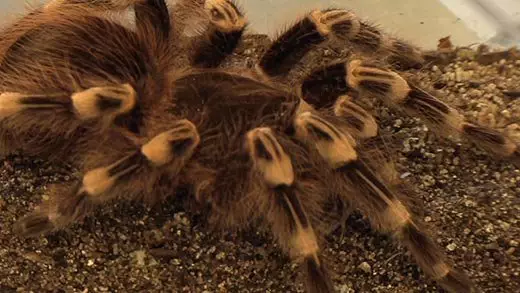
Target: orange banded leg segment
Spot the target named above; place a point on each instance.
(103, 103)
(170, 149)
(358, 184)
(227, 24)
(396, 91)
(368, 39)
(289, 223)
(290, 47)
(47, 124)
(318, 27)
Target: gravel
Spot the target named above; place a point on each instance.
(471, 201)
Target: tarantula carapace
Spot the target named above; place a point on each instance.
(119, 101)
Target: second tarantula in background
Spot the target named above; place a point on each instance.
(76, 85)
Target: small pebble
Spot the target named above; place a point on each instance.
(451, 246)
(365, 267)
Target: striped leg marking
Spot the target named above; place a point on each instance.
(362, 124)
(222, 37)
(334, 20)
(273, 163)
(375, 198)
(396, 91)
(92, 103)
(225, 15)
(172, 148)
(337, 147)
(367, 38)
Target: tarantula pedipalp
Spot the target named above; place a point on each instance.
(75, 84)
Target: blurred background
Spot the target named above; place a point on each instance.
(421, 21)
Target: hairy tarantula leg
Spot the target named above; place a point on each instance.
(376, 199)
(276, 169)
(322, 87)
(152, 16)
(225, 31)
(396, 91)
(326, 87)
(153, 19)
(388, 214)
(93, 103)
(171, 149)
(289, 48)
(322, 25)
(367, 38)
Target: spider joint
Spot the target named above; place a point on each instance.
(176, 143)
(377, 80)
(335, 145)
(356, 117)
(99, 101)
(97, 181)
(305, 243)
(328, 21)
(269, 158)
(225, 15)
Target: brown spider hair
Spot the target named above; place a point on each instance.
(118, 102)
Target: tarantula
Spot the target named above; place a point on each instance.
(118, 101)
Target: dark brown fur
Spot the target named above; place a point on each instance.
(147, 155)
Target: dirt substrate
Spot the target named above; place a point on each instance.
(471, 200)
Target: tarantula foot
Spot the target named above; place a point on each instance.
(100, 101)
(333, 20)
(493, 141)
(376, 80)
(33, 225)
(455, 281)
(65, 206)
(225, 15)
(318, 280)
